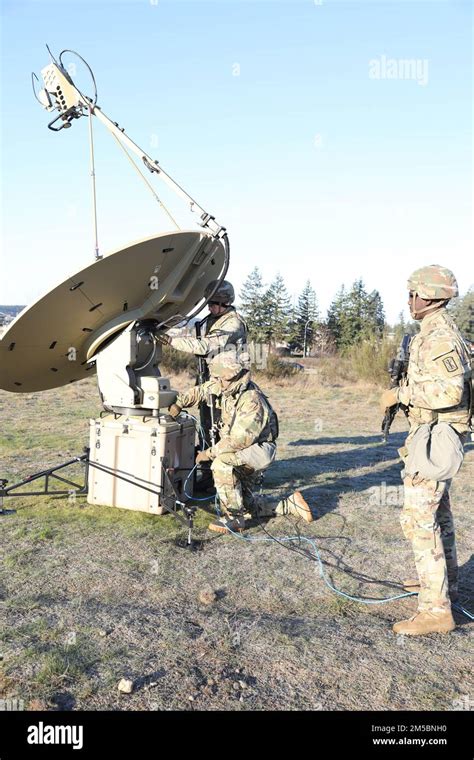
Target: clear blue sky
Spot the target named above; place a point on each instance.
(317, 169)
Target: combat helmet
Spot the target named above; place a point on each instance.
(433, 283)
(229, 364)
(224, 294)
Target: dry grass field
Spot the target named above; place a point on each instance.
(90, 595)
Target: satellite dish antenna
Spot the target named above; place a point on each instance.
(106, 318)
(56, 340)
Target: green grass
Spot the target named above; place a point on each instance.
(64, 664)
(76, 567)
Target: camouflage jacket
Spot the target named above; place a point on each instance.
(438, 383)
(245, 413)
(228, 329)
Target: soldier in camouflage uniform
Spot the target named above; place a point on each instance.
(437, 389)
(223, 326)
(248, 432)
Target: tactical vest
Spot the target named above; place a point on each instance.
(272, 419)
(457, 416)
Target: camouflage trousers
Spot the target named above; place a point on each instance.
(236, 475)
(427, 522)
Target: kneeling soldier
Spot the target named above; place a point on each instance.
(248, 433)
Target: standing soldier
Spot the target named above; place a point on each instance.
(247, 445)
(223, 328)
(438, 394)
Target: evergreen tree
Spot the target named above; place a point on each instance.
(293, 328)
(252, 305)
(305, 319)
(373, 314)
(276, 307)
(462, 309)
(355, 315)
(336, 317)
(402, 328)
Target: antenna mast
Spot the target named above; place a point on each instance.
(60, 94)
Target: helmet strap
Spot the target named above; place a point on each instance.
(420, 313)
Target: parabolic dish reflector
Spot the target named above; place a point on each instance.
(161, 277)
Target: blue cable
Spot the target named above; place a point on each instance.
(321, 569)
(287, 538)
(200, 433)
(311, 541)
(195, 498)
(459, 607)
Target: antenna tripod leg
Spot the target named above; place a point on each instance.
(190, 529)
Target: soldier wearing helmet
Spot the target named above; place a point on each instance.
(438, 394)
(223, 326)
(247, 443)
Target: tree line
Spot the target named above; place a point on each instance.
(353, 315)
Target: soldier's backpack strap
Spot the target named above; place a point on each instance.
(471, 397)
(272, 415)
(235, 408)
(470, 383)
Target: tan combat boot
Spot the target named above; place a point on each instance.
(295, 505)
(426, 622)
(228, 525)
(413, 586)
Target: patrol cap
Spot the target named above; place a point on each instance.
(224, 294)
(433, 282)
(229, 364)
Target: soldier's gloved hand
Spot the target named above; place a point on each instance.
(174, 410)
(203, 456)
(163, 338)
(388, 398)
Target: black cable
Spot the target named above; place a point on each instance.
(73, 52)
(306, 553)
(110, 471)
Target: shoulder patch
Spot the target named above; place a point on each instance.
(449, 364)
